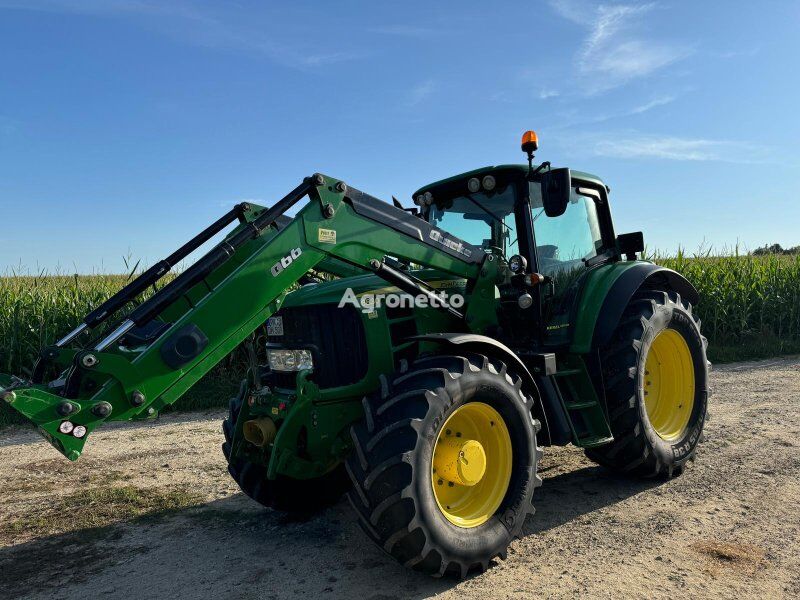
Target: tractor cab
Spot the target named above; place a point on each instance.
(551, 225)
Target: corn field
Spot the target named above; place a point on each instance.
(36, 310)
(750, 306)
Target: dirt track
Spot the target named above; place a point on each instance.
(729, 526)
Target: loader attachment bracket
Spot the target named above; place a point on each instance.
(42, 408)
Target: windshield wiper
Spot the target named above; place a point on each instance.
(486, 210)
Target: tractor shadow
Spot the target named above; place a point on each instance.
(567, 496)
(233, 548)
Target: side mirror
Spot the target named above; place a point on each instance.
(556, 189)
(630, 243)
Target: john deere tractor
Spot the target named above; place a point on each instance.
(417, 359)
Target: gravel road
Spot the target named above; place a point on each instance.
(150, 512)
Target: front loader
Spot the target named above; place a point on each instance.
(417, 358)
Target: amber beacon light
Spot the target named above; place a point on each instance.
(530, 142)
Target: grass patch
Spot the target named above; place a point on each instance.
(97, 507)
(756, 350)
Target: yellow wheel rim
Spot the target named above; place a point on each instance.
(471, 466)
(669, 384)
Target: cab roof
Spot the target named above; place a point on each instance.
(523, 169)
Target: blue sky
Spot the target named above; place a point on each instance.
(128, 125)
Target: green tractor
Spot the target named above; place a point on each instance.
(417, 359)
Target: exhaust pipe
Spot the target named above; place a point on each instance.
(259, 432)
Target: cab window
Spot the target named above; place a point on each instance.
(482, 219)
(565, 242)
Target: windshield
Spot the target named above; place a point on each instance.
(484, 219)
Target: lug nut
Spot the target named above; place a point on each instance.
(137, 398)
(65, 408)
(89, 361)
(102, 409)
(341, 186)
(328, 211)
(318, 179)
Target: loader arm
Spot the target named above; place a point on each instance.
(147, 359)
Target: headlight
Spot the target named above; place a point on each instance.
(489, 183)
(290, 360)
(517, 264)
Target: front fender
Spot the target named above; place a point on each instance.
(483, 345)
(607, 292)
(544, 365)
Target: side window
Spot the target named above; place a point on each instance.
(564, 242)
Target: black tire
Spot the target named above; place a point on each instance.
(390, 467)
(637, 448)
(298, 496)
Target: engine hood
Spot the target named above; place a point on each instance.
(333, 291)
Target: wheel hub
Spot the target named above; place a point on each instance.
(461, 462)
(471, 464)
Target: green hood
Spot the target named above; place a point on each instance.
(332, 291)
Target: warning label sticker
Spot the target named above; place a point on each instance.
(327, 236)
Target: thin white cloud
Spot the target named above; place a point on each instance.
(420, 92)
(546, 93)
(574, 118)
(746, 53)
(654, 103)
(210, 26)
(315, 60)
(643, 146)
(613, 51)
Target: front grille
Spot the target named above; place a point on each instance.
(335, 337)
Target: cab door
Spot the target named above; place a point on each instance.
(566, 248)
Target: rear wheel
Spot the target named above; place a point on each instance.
(656, 376)
(301, 496)
(445, 464)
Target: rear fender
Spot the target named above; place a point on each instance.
(602, 305)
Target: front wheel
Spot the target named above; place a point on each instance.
(656, 376)
(445, 464)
